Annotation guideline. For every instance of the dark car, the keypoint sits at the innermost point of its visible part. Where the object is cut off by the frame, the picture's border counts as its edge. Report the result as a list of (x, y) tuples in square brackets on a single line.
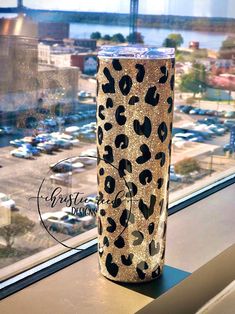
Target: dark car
[(186, 109)]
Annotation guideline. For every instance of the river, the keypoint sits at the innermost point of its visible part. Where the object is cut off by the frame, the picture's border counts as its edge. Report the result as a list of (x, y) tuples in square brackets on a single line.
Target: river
[(152, 36)]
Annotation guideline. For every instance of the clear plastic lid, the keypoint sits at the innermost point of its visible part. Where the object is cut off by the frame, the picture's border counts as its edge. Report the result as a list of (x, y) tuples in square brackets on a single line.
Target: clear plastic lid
[(136, 52)]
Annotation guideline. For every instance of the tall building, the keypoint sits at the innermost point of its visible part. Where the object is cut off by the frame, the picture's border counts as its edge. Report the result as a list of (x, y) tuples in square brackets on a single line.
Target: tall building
[(18, 61)]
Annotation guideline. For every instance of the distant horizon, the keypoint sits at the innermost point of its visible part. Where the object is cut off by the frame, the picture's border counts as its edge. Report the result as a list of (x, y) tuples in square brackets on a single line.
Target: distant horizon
[(196, 8)]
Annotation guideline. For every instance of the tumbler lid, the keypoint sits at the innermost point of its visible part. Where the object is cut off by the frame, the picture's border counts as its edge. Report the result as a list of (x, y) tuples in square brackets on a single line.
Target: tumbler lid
[(136, 52)]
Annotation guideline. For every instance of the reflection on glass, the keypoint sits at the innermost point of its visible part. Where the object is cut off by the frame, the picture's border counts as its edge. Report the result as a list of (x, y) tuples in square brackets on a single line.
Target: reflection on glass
[(47, 110)]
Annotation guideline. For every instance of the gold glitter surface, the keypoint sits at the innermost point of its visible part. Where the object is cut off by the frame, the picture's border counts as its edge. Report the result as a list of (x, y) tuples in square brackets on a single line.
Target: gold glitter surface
[(157, 114)]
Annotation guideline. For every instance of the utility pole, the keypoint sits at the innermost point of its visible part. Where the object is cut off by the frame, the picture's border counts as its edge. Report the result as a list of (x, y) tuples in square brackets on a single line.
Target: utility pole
[(134, 6)]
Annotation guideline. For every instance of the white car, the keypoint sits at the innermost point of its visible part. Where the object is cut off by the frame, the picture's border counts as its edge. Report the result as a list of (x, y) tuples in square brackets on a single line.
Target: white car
[(21, 153), (7, 202), (85, 220), (62, 178)]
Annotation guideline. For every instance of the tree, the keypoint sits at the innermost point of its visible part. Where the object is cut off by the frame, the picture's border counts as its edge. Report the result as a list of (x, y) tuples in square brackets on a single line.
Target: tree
[(95, 35), (119, 38), (227, 49), (186, 166), (173, 41), (195, 80), (19, 225), (135, 37), (107, 37)]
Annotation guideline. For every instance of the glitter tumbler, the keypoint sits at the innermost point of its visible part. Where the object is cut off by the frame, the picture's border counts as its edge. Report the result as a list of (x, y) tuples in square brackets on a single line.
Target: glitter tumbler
[(135, 92)]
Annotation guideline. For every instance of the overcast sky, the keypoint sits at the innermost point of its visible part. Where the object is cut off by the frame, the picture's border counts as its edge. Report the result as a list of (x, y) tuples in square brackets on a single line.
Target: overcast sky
[(223, 8)]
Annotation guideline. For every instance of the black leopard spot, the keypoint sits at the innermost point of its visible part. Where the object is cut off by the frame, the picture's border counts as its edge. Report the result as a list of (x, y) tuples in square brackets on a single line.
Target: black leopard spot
[(101, 171), (107, 126), (106, 241), (132, 189), (97, 65), (124, 164), (172, 82), (112, 268), (143, 129), (152, 97), (112, 226), (116, 65), (98, 155), (127, 260), (168, 185), (100, 135), (151, 227), (146, 210), (133, 100), (100, 110), (109, 156), (109, 103), (145, 176), (102, 212), (146, 155), (119, 243), (126, 217), (117, 202), (162, 157), (153, 250), (140, 269), (140, 237), (121, 141), (99, 226), (141, 72), (120, 118), (164, 229), (170, 103), (161, 205), (109, 184), (164, 78), (156, 272), (162, 131), (160, 183), (125, 85), (108, 87)]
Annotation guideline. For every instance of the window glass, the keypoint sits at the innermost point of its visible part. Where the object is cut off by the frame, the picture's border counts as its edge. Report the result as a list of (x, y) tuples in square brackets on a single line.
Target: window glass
[(48, 64)]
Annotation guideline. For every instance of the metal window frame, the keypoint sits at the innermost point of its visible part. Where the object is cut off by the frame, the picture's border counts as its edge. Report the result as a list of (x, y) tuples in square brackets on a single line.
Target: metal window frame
[(34, 274)]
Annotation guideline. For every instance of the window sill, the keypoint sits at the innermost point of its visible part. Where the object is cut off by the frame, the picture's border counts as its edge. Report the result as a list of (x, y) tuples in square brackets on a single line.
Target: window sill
[(80, 288)]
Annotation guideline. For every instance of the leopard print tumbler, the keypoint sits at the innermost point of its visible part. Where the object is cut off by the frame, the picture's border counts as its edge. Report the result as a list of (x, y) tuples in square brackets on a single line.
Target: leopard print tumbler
[(135, 92)]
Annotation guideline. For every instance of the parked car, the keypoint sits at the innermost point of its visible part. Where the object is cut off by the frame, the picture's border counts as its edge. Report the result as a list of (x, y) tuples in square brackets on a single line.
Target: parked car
[(62, 143), (194, 111), (21, 153), (61, 167), (218, 131), (7, 129), (61, 222), (229, 123), (62, 178), (86, 215), (45, 147), (229, 114), (34, 150), (189, 137), (175, 177), (17, 143), (202, 112), (7, 202)]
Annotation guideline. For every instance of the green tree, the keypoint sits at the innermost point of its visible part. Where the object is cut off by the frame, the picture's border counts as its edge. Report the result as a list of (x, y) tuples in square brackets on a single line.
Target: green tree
[(173, 41), (135, 37), (95, 35), (186, 166), (227, 48), (107, 37), (119, 38), (19, 225), (195, 80)]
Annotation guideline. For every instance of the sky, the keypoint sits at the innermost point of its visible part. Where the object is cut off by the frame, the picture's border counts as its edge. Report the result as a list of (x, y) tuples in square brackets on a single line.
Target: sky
[(220, 8)]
